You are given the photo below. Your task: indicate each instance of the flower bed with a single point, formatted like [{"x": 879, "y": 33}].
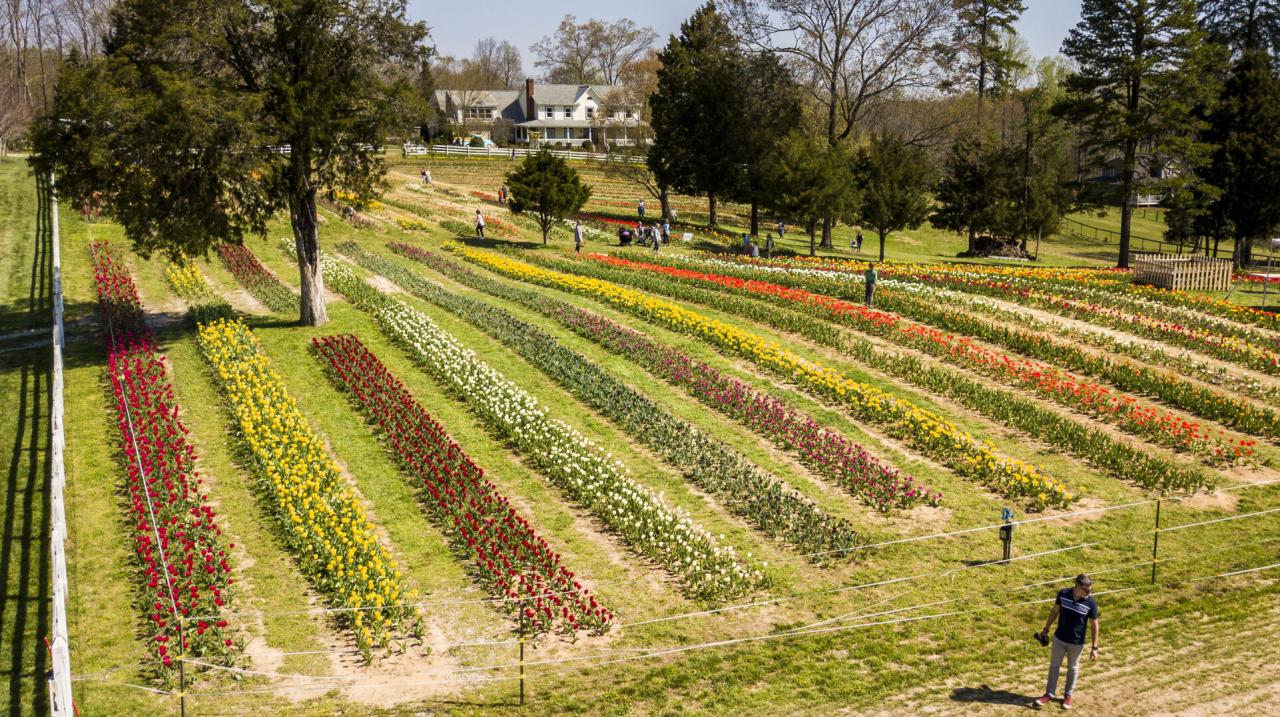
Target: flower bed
[
  {"x": 1157, "y": 425},
  {"x": 254, "y": 277},
  {"x": 185, "y": 278},
  {"x": 506, "y": 554},
  {"x": 186, "y": 571},
  {"x": 1092, "y": 443},
  {"x": 1126, "y": 375},
  {"x": 584, "y": 471},
  {"x": 762, "y": 499},
  {"x": 924, "y": 430},
  {"x": 825, "y": 452},
  {"x": 322, "y": 521}
]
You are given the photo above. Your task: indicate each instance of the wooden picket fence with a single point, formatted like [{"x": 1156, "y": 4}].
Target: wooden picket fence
[{"x": 1182, "y": 273}]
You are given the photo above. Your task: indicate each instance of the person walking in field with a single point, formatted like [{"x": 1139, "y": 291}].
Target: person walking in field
[
  {"x": 869, "y": 277},
  {"x": 857, "y": 241},
  {"x": 782, "y": 230},
  {"x": 577, "y": 237},
  {"x": 479, "y": 225},
  {"x": 640, "y": 209},
  {"x": 1076, "y": 612},
  {"x": 768, "y": 245},
  {"x": 426, "y": 176},
  {"x": 666, "y": 232}
]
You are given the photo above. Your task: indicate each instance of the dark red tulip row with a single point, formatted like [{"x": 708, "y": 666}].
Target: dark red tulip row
[
  {"x": 254, "y": 277},
  {"x": 185, "y": 567},
  {"x": 507, "y": 556},
  {"x": 824, "y": 451}
]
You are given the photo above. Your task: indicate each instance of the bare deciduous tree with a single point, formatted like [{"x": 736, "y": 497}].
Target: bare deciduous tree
[
  {"x": 851, "y": 55},
  {"x": 593, "y": 51}
]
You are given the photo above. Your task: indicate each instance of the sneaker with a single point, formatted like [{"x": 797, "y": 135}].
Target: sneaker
[
  {"x": 1044, "y": 699},
  {"x": 1066, "y": 702}
]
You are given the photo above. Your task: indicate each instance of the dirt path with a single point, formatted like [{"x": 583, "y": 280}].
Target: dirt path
[{"x": 1216, "y": 672}]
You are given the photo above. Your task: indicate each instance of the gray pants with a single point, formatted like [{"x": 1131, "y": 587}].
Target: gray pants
[
  {"x": 1072, "y": 653},
  {"x": 871, "y": 293}
]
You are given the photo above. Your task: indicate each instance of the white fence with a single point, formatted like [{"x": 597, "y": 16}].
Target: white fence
[
  {"x": 412, "y": 150},
  {"x": 60, "y": 700}
]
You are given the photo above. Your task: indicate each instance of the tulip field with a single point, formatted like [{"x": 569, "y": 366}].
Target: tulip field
[{"x": 626, "y": 481}]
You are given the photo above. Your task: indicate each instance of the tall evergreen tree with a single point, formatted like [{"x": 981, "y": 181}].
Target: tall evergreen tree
[
  {"x": 698, "y": 109},
  {"x": 981, "y": 26},
  {"x": 1142, "y": 69},
  {"x": 895, "y": 179},
  {"x": 773, "y": 105},
  {"x": 1245, "y": 131},
  {"x": 1243, "y": 25},
  {"x": 180, "y": 127},
  {"x": 807, "y": 179}
]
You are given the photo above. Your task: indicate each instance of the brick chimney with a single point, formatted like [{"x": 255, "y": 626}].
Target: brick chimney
[{"x": 530, "y": 109}]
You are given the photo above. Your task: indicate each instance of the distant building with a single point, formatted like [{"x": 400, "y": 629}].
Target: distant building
[
  {"x": 545, "y": 113},
  {"x": 1102, "y": 179}
]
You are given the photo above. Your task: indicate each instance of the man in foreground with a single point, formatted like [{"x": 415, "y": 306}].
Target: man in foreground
[{"x": 1074, "y": 609}]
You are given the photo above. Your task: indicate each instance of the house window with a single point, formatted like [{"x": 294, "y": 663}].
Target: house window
[
  {"x": 550, "y": 112},
  {"x": 626, "y": 114},
  {"x": 591, "y": 112},
  {"x": 549, "y": 133},
  {"x": 480, "y": 113},
  {"x": 568, "y": 113}
]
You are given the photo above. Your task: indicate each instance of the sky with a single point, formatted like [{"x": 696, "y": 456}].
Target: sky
[{"x": 455, "y": 26}]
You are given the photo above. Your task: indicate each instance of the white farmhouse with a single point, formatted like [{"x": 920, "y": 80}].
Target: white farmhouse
[{"x": 545, "y": 113}]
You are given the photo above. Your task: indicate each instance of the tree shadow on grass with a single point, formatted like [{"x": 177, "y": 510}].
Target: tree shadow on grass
[
  {"x": 487, "y": 243},
  {"x": 986, "y": 695}
]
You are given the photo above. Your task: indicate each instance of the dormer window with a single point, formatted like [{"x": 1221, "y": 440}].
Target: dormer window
[{"x": 480, "y": 113}]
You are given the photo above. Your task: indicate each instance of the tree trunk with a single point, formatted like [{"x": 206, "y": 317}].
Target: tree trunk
[
  {"x": 813, "y": 228},
  {"x": 973, "y": 241},
  {"x": 755, "y": 219},
  {"x": 664, "y": 200},
  {"x": 711, "y": 209},
  {"x": 882, "y": 238},
  {"x": 306, "y": 237},
  {"x": 828, "y": 222},
  {"x": 1128, "y": 186}
]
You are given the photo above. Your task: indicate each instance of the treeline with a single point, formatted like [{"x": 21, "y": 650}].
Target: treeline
[{"x": 885, "y": 114}]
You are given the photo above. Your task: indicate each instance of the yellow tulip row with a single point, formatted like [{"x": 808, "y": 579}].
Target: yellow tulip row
[
  {"x": 186, "y": 279},
  {"x": 925, "y": 430},
  {"x": 324, "y": 523}
]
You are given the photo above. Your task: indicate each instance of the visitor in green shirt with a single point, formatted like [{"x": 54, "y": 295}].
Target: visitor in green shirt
[{"x": 870, "y": 277}]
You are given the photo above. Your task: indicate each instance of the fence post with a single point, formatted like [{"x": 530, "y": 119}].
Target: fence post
[{"x": 1155, "y": 543}]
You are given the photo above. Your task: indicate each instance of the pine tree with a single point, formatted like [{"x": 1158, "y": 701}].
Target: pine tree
[
  {"x": 980, "y": 29},
  {"x": 1243, "y": 25},
  {"x": 699, "y": 109},
  {"x": 1245, "y": 130},
  {"x": 807, "y": 179},
  {"x": 896, "y": 179},
  {"x": 1142, "y": 68}
]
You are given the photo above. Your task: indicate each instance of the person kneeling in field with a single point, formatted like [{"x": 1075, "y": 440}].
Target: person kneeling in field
[{"x": 1075, "y": 611}]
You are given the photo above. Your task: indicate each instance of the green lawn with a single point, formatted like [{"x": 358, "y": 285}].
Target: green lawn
[{"x": 876, "y": 661}]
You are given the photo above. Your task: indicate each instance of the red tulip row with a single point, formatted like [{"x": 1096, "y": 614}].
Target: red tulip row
[
  {"x": 186, "y": 570},
  {"x": 254, "y": 277},
  {"x": 513, "y": 562},
  {"x": 1158, "y": 425}
]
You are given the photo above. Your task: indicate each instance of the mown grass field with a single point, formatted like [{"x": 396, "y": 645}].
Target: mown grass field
[{"x": 930, "y": 625}]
